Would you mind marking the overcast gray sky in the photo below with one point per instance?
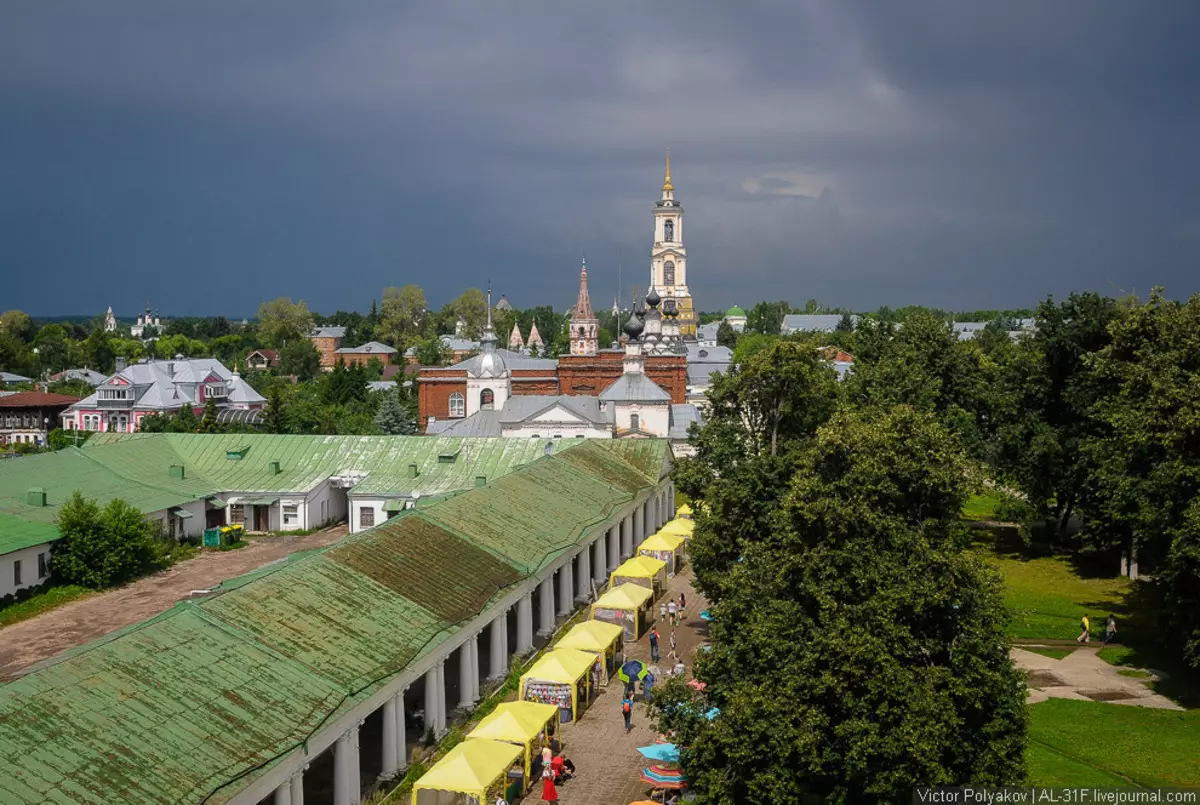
(210, 154)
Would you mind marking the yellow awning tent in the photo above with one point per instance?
(594, 636)
(682, 527)
(662, 541)
(664, 547)
(471, 767)
(516, 723)
(684, 511)
(630, 598)
(564, 666)
(641, 567)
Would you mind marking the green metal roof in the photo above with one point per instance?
(210, 694)
(17, 533)
(166, 713)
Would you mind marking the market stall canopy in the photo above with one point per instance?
(470, 768)
(677, 526)
(624, 596)
(640, 567)
(515, 722)
(683, 511)
(666, 753)
(563, 666)
(591, 636)
(662, 542)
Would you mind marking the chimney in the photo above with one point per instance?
(480, 480)
(274, 467)
(412, 471)
(176, 472)
(121, 363)
(35, 496)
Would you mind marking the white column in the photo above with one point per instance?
(401, 732)
(466, 692)
(346, 784)
(564, 586)
(546, 606)
(583, 585)
(297, 784)
(630, 528)
(497, 667)
(441, 695)
(598, 574)
(283, 794)
(391, 752)
(525, 624)
(431, 699)
(504, 640)
(674, 507)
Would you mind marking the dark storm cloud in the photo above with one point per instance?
(210, 155)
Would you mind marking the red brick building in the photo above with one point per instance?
(328, 340)
(372, 350)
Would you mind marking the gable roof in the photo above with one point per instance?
(34, 399)
(371, 348)
(198, 701)
(523, 408)
(634, 387)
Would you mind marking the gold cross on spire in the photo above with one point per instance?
(667, 183)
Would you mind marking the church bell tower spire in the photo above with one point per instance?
(585, 327)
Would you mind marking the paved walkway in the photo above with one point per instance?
(1083, 675)
(30, 641)
(605, 757)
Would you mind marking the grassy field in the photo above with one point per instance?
(1049, 594)
(1052, 653)
(981, 507)
(1094, 743)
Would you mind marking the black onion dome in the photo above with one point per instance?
(653, 299)
(633, 327)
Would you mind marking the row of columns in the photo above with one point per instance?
(590, 566)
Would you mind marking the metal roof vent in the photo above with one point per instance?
(275, 467)
(549, 449)
(480, 480)
(176, 471)
(36, 496)
(413, 472)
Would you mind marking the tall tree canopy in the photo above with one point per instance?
(282, 321)
(404, 316)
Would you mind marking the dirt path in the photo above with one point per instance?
(31, 641)
(1083, 675)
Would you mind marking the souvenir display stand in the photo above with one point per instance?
(471, 773)
(605, 640)
(628, 606)
(563, 678)
(641, 570)
(526, 724)
(665, 548)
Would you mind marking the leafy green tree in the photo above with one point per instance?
(767, 318)
(845, 324)
(1045, 416)
(858, 649)
(208, 422)
(1143, 487)
(59, 438)
(103, 547)
(53, 348)
(184, 421)
(17, 324)
(404, 315)
(431, 352)
(282, 321)
(726, 335)
(274, 413)
(300, 358)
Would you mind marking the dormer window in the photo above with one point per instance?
(114, 394)
(216, 390)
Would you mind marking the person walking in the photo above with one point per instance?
(682, 604)
(653, 644)
(674, 642)
(549, 792)
(627, 711)
(672, 610)
(1085, 636)
(1110, 628)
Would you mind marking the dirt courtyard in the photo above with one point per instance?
(29, 642)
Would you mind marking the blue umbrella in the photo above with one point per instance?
(705, 615)
(631, 670)
(664, 753)
(713, 713)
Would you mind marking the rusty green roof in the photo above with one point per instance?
(213, 692)
(166, 713)
(17, 533)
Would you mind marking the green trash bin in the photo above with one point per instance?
(212, 538)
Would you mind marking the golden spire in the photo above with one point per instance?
(667, 183)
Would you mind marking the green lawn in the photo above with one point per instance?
(1094, 743)
(981, 507)
(41, 602)
(1049, 594)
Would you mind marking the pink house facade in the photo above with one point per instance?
(159, 387)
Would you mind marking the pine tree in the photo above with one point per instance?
(208, 422)
(394, 417)
(274, 416)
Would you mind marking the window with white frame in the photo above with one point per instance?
(114, 394)
(458, 406)
(291, 514)
(366, 515)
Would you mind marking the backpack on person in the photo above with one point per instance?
(626, 706)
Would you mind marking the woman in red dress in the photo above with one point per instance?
(549, 792)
